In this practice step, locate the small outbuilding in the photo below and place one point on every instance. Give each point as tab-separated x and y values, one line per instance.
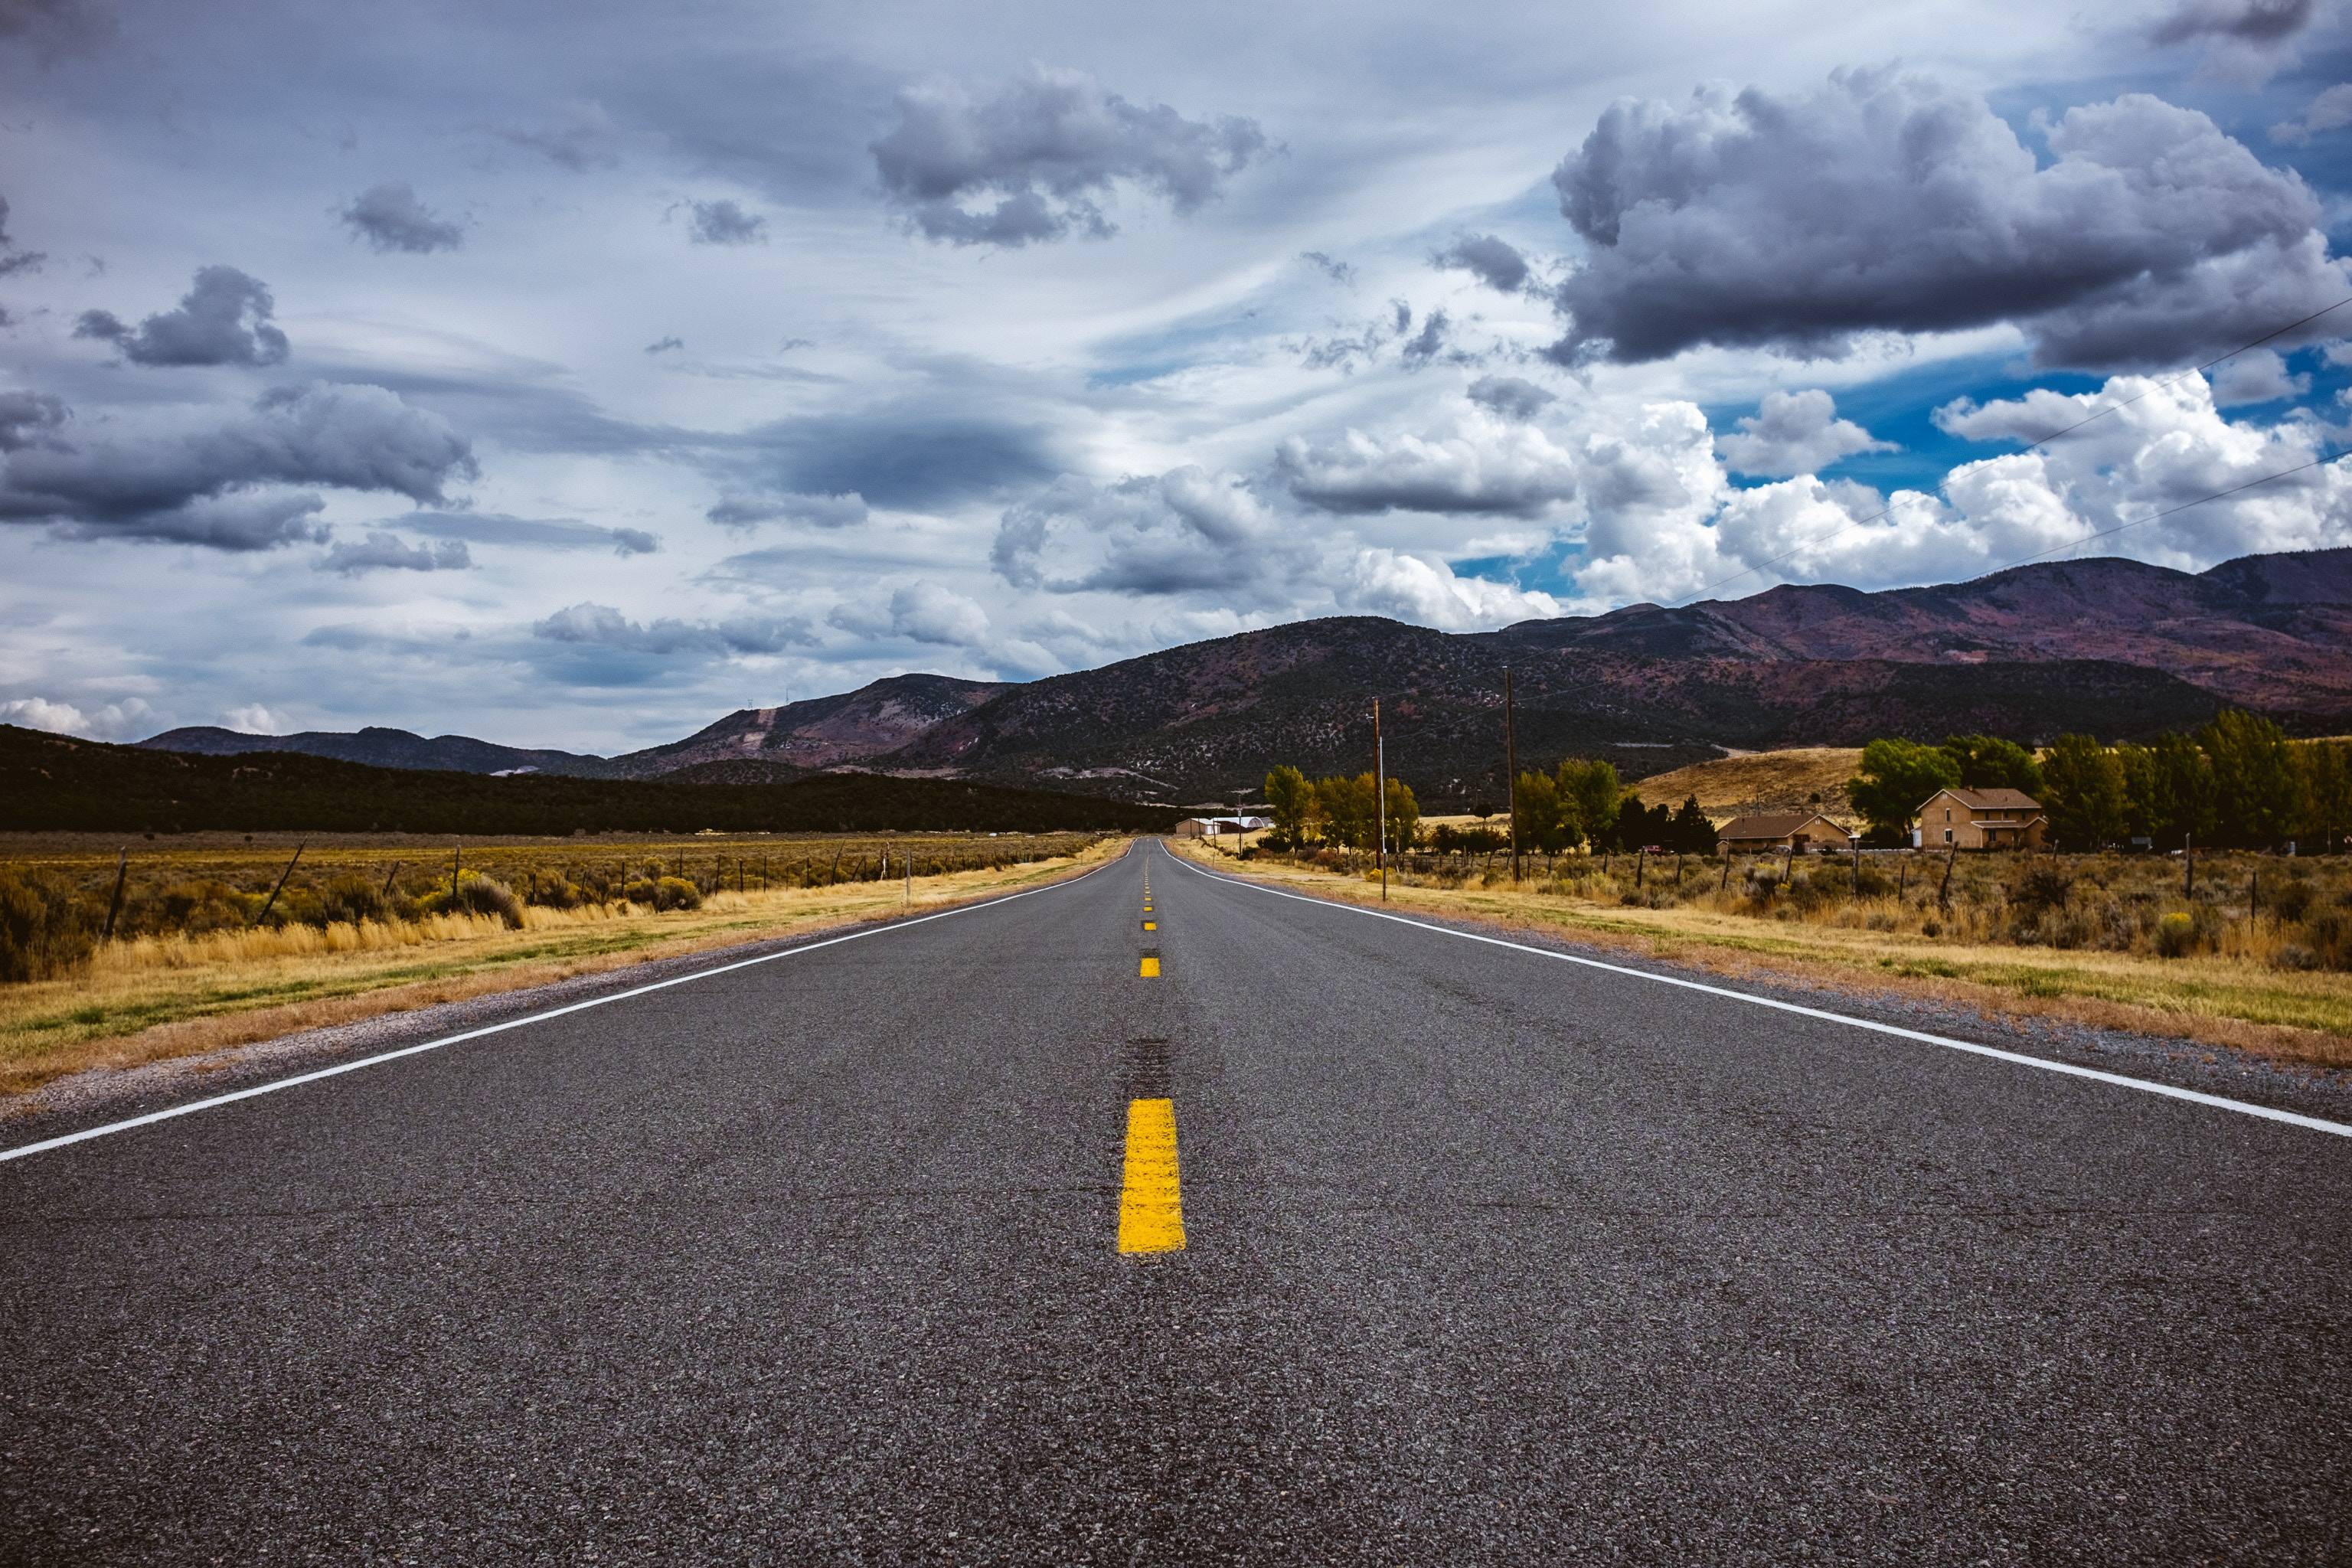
1221	826
1805	832
1981	819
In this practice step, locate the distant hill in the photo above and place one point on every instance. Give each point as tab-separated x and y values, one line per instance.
381	748
50	783
2117	648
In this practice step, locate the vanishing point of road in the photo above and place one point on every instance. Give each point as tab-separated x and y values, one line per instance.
1153	1217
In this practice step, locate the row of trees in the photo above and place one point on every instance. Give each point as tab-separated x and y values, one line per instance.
2238	781
1340	811
1579	803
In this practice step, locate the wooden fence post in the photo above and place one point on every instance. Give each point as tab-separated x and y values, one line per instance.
114	904
270	902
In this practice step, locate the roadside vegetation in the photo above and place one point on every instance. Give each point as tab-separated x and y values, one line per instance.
203	955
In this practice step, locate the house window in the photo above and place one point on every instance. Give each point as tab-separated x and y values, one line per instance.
1947	816
1947	831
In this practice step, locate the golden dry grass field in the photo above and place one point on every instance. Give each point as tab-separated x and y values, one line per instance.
2246	976
175	993
1760	781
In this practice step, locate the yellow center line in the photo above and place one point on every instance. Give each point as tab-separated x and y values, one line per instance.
1150	969
1152	1202
1152	925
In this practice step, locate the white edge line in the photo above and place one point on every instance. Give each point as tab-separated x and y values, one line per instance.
2147	1086
192	1107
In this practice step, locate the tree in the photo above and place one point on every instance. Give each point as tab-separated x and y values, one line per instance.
1343	811
1589	793
1404	816
1897	778
1291	798
2257	789
2328	789
2083	790
2167	790
1544	825
1694	830
1987	761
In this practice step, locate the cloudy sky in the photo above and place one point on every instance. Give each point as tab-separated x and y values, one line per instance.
572	374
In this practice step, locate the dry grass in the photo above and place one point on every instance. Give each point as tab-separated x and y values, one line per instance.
1760	781
161	997
2228	996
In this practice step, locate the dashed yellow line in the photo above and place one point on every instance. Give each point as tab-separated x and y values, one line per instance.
1150	969
1152	925
1151	1202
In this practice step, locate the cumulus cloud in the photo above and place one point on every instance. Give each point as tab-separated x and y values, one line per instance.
724	222
390	218
817	510
1428	343
253	719
2243	40
1796	432
1499	467
2257	377
2331	110
1424	590
381	552
224	319
922	612
27	417
224	481
1886	202
1509	397
1041	158
602	626
114	721
1493	261
1184	530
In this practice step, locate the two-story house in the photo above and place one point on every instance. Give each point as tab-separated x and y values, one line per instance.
1981	819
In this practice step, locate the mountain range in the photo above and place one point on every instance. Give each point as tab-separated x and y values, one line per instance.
2115	648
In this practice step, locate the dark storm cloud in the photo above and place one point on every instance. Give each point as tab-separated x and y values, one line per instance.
1431	340
821	512
54	28
1340	272
904	458
390	218
723	222
539	534
224	320
382	552
14	258
1493	261
604	626
1509	397
1886	202
664	345
230	482
1038	159
2247	21
26	417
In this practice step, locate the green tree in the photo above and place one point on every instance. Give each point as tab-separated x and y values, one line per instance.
1292	799
2167	790
1897	778
2257	788
2083	790
1987	761
1544	826
1343	811
2328	789
1589	795
1404	816
1694	830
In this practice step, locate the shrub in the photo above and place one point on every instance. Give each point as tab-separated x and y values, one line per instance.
664	893
2293	901
477	895
2042	888
2176	935
199	907
44	928
352	900
554	890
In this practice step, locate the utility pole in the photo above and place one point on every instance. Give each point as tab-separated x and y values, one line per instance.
1511	768
1381	794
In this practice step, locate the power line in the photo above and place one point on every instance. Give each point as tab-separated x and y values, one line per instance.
1843	531
2158	516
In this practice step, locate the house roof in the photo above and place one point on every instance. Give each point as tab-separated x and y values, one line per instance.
1770	825
1994	799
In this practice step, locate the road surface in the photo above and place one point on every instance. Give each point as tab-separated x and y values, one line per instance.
1337	1239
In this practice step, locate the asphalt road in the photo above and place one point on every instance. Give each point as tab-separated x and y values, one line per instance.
1484	1258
